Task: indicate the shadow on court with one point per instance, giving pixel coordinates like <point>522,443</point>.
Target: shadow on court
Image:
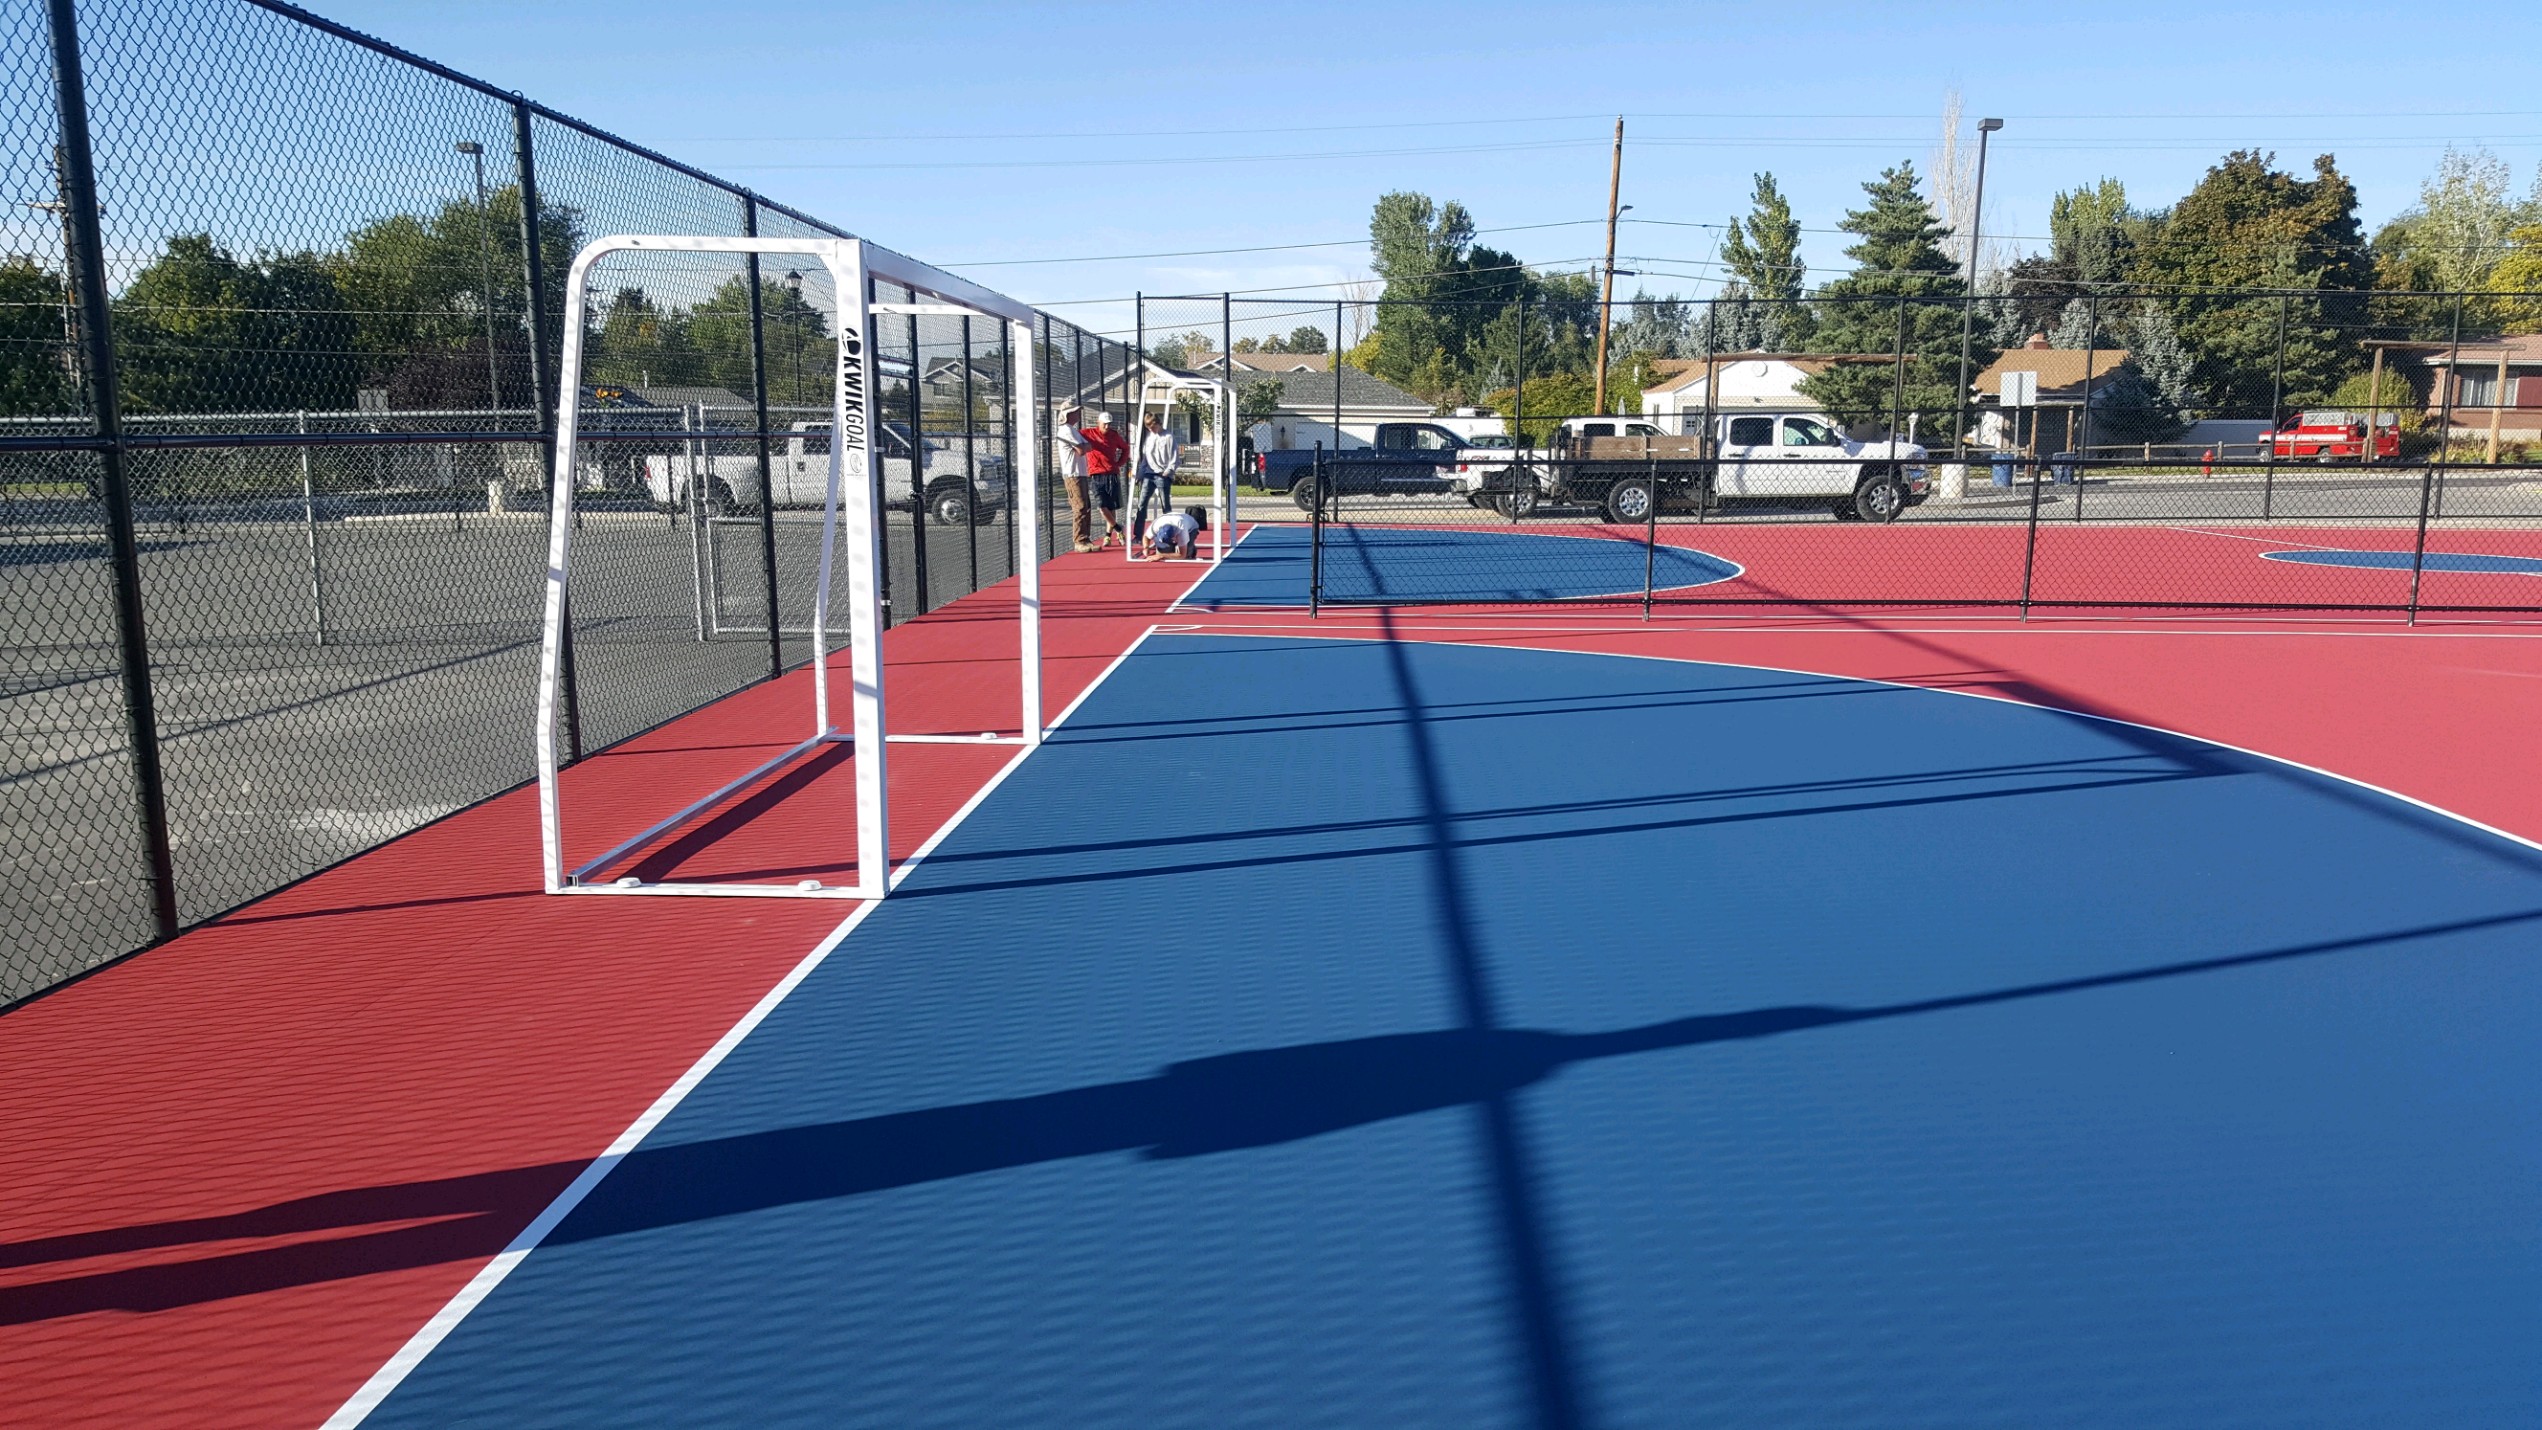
<point>1255,1098</point>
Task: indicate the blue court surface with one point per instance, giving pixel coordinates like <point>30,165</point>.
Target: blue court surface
<point>1351,1033</point>
<point>2400,561</point>
<point>1274,566</point>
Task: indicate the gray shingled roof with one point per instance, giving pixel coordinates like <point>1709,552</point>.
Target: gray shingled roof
<point>1312,392</point>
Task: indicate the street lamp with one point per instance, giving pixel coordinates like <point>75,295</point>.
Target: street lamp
<point>1968,302</point>
<point>485,271</point>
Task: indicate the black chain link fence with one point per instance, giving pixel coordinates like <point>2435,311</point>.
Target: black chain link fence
<point>2272,451</point>
<point>279,338</point>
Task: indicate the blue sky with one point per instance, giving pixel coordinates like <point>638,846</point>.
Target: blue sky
<point>966,134</point>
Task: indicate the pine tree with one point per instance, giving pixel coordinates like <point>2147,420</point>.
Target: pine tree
<point>1899,257</point>
<point>2155,348</point>
<point>1767,277</point>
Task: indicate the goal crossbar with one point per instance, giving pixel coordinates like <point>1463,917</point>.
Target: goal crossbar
<point>1160,389</point>
<point>850,498</point>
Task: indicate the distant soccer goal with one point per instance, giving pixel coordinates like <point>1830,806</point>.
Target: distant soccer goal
<point>851,505</point>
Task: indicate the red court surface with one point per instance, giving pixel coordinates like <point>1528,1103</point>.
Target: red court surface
<point>2093,562</point>
<point>423,1024</point>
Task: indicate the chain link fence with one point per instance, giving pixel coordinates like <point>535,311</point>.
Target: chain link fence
<point>2366,453</point>
<point>280,317</point>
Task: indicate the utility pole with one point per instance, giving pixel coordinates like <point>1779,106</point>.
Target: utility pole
<point>1606,299</point>
<point>1968,300</point>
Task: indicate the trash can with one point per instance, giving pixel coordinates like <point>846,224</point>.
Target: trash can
<point>2003,469</point>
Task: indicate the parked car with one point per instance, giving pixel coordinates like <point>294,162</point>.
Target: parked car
<point>1407,458</point>
<point>801,472</point>
<point>1619,467</point>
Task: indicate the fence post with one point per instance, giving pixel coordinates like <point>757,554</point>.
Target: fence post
<point>1315,540</point>
<point>534,279</point>
<point>1897,401</point>
<point>1046,431</point>
<point>78,178</point>
<point>2091,361</point>
<point>1014,452</point>
<point>767,472</point>
<point>309,528</point>
<point>1710,491</point>
<point>1227,447</point>
<point>1334,359</point>
<point>1522,467</point>
<point>2030,551</point>
<point>971,458</point>
<point>2444,441</point>
<point>2276,400</point>
<point>1650,533</point>
<point>917,472</point>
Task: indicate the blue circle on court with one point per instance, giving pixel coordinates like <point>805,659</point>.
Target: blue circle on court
<point>1277,566</point>
<point>2400,561</point>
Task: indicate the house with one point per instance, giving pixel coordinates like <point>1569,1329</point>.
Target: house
<point>2495,384</point>
<point>1734,382</point>
<point>1315,405</point>
<point>1213,363</point>
<point>2060,382</point>
<point>943,380</point>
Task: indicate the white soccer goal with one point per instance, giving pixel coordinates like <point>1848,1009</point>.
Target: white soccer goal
<point>852,502</point>
<point>1159,391</point>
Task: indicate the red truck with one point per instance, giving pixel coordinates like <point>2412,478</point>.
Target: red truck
<point>2333,435</point>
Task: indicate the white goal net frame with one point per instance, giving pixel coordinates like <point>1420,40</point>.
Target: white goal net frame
<point>851,501</point>
<point>1158,392</point>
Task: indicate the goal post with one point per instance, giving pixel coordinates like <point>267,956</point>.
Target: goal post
<point>1160,391</point>
<point>851,503</point>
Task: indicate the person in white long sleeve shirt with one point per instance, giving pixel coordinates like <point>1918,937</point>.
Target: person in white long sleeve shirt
<point>1160,452</point>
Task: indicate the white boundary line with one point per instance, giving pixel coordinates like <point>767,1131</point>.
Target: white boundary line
<point>2262,540</point>
<point>1737,570</point>
<point>1214,567</point>
<point>429,1337</point>
<point>2413,800</point>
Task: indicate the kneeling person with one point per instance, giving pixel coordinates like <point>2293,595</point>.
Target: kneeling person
<point>1176,534</point>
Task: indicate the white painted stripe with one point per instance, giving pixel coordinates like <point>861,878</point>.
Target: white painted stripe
<point>2436,809</point>
<point>2262,540</point>
<point>1214,567</point>
<point>433,1332</point>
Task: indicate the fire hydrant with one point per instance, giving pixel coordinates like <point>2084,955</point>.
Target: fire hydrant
<point>2206,463</point>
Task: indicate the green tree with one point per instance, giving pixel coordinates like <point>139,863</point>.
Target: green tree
<point>1304,340</point>
<point>34,347</point>
<point>2154,346</point>
<point>1901,276</point>
<point>202,330</point>
<point>417,289</point>
<point>2093,238</point>
<point>2520,273</point>
<point>1759,308</point>
<point>1447,317</point>
<point>1550,398</point>
<point>2247,225</point>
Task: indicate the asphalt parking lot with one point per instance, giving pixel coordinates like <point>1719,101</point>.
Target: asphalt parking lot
<point>303,720</point>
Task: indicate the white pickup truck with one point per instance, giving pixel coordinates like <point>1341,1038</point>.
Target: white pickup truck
<point>801,473</point>
<point>1619,466</point>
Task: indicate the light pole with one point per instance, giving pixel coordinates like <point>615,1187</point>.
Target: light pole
<point>794,324</point>
<point>1968,301</point>
<point>485,272</point>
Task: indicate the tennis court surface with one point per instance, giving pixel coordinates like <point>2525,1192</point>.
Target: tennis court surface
<point>1392,1017</point>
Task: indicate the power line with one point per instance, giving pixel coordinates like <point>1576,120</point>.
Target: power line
<point>1256,248</point>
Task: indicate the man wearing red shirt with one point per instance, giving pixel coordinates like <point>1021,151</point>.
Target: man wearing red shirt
<point>1107,451</point>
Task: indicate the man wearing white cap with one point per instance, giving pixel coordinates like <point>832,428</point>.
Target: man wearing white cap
<point>1071,460</point>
